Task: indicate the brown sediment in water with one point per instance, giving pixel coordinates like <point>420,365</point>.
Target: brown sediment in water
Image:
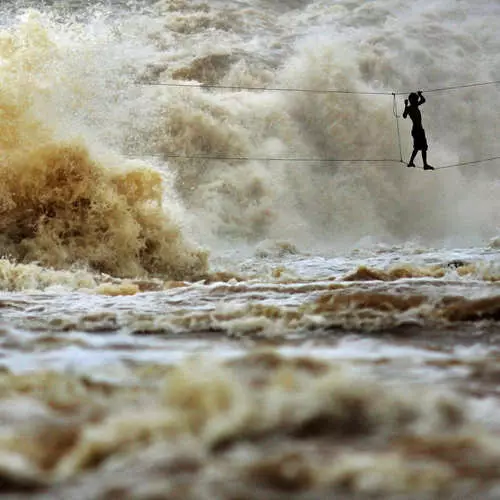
<point>462,309</point>
<point>222,276</point>
<point>253,309</point>
<point>342,311</point>
<point>377,310</point>
<point>208,70</point>
<point>364,273</point>
<point>266,424</point>
<point>385,302</point>
<point>62,208</point>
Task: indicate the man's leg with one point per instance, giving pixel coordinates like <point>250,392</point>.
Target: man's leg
<point>410,163</point>
<point>424,157</point>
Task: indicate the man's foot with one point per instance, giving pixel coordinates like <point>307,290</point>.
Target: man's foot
<point>411,164</point>
<point>428,167</point>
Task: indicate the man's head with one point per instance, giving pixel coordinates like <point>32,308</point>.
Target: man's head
<point>413,98</point>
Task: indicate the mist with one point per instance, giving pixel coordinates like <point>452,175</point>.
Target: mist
<point>99,84</point>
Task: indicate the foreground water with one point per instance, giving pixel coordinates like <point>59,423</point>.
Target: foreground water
<point>197,328</point>
<point>280,375</point>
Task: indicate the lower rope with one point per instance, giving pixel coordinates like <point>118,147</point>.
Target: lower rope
<point>303,160</point>
<point>263,158</point>
<point>463,164</point>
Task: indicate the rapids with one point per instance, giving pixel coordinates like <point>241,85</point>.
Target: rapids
<point>203,295</point>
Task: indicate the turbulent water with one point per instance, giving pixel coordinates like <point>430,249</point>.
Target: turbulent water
<point>203,295</point>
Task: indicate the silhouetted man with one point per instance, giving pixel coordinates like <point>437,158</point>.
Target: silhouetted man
<point>417,131</point>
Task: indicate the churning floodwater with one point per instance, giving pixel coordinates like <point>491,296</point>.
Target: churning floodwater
<point>218,278</point>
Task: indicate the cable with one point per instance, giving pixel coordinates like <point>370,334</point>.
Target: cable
<point>269,89</point>
<point>307,160</point>
<point>455,87</point>
<point>313,91</point>
<point>463,164</point>
<point>395,113</point>
<point>257,158</point>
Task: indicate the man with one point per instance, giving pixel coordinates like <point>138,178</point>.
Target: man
<point>417,131</point>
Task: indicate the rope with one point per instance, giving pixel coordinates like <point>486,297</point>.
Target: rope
<point>269,89</point>
<point>463,86</point>
<point>395,113</point>
<point>306,160</point>
<point>261,158</point>
<point>463,164</point>
<point>312,91</point>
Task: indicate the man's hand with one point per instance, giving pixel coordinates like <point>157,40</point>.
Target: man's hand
<point>406,102</point>
<point>419,92</point>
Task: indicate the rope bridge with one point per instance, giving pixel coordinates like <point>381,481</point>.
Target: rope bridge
<point>321,91</point>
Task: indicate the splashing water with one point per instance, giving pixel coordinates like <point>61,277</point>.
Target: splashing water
<point>324,350</point>
<point>64,202</point>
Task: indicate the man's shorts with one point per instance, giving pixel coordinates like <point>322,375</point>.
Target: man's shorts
<point>419,139</point>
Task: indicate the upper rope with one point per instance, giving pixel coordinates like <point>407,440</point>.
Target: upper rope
<point>311,91</point>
